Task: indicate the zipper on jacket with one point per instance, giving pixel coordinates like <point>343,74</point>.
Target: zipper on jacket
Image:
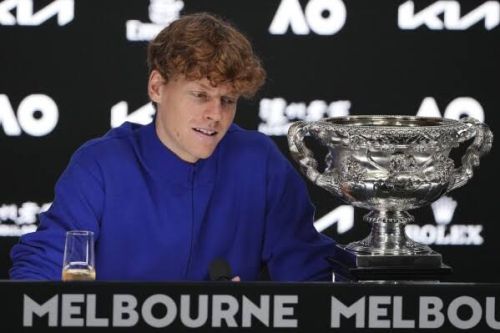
<point>191,245</point>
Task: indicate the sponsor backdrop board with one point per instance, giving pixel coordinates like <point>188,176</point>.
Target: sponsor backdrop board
<point>71,69</point>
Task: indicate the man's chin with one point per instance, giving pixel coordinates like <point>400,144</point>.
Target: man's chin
<point>205,154</point>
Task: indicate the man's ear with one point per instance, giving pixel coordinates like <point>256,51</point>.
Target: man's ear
<point>154,86</point>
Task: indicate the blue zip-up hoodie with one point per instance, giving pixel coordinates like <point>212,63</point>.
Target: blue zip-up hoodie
<point>158,218</point>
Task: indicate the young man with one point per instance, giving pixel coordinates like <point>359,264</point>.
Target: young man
<point>167,199</point>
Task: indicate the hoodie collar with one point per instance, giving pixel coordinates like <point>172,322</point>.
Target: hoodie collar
<point>164,164</point>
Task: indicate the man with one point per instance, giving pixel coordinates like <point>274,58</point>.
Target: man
<point>167,199</point>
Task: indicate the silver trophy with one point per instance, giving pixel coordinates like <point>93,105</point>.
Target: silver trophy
<point>389,165</point>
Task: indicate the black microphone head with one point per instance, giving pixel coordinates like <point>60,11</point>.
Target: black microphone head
<point>220,270</point>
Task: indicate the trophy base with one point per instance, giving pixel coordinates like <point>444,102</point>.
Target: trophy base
<point>350,266</point>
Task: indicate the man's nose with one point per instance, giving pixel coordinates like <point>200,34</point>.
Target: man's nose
<point>214,110</point>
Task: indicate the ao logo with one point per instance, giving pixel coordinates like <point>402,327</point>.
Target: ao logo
<point>323,17</point>
<point>443,15</point>
<point>37,115</point>
<point>64,9</point>
<point>457,108</point>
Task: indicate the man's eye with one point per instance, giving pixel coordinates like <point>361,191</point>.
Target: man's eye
<point>199,94</point>
<point>228,101</point>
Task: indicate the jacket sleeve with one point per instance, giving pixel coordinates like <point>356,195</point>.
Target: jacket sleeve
<point>293,249</point>
<point>77,206</point>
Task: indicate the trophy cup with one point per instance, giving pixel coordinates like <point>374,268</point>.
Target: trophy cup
<point>389,165</point>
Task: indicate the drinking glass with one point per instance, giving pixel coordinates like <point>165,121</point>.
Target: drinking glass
<point>78,262</point>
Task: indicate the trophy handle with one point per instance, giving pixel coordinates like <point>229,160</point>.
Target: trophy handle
<point>305,157</point>
<point>481,145</point>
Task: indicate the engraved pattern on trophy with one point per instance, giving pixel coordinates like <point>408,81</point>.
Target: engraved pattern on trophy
<point>388,165</point>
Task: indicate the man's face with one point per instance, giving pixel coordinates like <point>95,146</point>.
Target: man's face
<point>192,116</point>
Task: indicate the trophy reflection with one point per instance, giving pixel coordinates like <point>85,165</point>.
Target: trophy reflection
<point>389,165</point>
<point>78,262</point>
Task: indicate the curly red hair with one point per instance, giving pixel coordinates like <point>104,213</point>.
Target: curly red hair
<point>202,46</point>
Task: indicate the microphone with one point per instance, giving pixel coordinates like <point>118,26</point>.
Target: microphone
<point>220,270</point>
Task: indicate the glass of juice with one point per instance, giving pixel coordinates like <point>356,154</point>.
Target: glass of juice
<point>78,262</point>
